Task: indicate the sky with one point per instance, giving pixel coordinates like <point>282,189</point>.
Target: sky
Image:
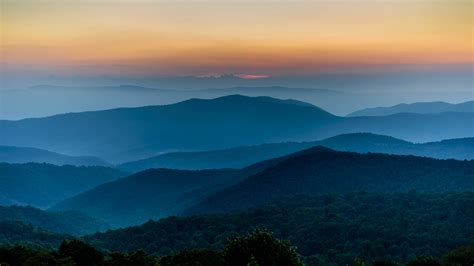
<point>252,39</point>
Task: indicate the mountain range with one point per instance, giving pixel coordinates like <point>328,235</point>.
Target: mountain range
<point>155,193</point>
<point>150,194</point>
<point>419,108</point>
<point>158,193</point>
<point>42,185</point>
<point>319,170</point>
<point>126,134</point>
<point>9,154</point>
<point>338,93</point>
<point>238,157</point>
<point>46,100</point>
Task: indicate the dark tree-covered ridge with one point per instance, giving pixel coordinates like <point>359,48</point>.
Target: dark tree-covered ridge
<point>319,170</point>
<point>326,229</point>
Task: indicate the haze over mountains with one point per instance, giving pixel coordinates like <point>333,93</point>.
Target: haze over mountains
<point>126,134</point>
<point>354,91</point>
<point>9,154</point>
<point>238,157</point>
<point>151,194</point>
<point>42,185</point>
<point>155,193</point>
<point>47,100</point>
<point>419,108</point>
<point>73,223</point>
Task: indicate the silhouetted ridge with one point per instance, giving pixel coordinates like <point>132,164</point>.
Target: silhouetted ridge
<point>322,171</point>
<point>239,100</point>
<point>150,194</point>
<point>364,137</point>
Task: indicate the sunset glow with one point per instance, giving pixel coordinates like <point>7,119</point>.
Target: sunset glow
<point>199,37</point>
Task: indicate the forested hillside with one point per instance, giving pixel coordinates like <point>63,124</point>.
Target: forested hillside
<point>73,223</point>
<point>322,171</point>
<point>151,194</point>
<point>18,233</point>
<point>42,185</point>
<point>327,230</point>
<point>156,193</point>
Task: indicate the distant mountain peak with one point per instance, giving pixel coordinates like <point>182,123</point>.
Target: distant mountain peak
<point>315,149</point>
<point>364,136</point>
<point>241,99</point>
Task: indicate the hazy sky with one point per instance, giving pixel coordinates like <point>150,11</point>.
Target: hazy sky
<point>266,37</point>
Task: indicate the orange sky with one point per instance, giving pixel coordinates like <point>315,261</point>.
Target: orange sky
<point>239,36</point>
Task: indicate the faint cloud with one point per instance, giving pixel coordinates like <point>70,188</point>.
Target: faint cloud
<point>250,76</point>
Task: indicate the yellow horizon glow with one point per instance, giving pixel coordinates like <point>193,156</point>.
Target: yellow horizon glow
<point>183,37</point>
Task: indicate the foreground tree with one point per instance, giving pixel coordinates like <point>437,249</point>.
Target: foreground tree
<point>136,258</point>
<point>463,256</point>
<point>197,257</point>
<point>425,261</point>
<point>260,248</point>
<point>81,253</point>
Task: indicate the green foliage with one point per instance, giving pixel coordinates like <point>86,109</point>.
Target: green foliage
<point>325,229</point>
<point>383,263</point>
<point>196,257</point>
<point>14,232</point>
<point>252,262</point>
<point>462,256</point>
<point>27,256</point>
<point>71,253</point>
<point>81,253</point>
<point>425,261</point>
<point>359,262</point>
<point>259,248</point>
<point>43,258</point>
<point>135,258</point>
